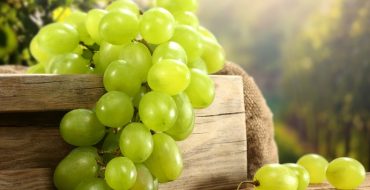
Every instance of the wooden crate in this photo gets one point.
(31, 107)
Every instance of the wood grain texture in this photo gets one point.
(214, 155)
(25, 93)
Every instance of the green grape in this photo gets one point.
(169, 50)
(136, 142)
(58, 38)
(38, 53)
(201, 90)
(93, 19)
(70, 63)
(157, 25)
(186, 18)
(77, 20)
(120, 173)
(144, 180)
(190, 40)
(158, 111)
(124, 5)
(39, 68)
(213, 55)
(198, 64)
(88, 149)
(205, 33)
(107, 54)
(80, 127)
(92, 184)
(315, 165)
(165, 163)
(119, 27)
(302, 175)
(177, 5)
(345, 173)
(111, 145)
(138, 54)
(274, 177)
(75, 167)
(122, 76)
(114, 109)
(169, 76)
(155, 184)
(137, 98)
(185, 121)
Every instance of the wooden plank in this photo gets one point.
(214, 155)
(30, 179)
(22, 93)
(326, 186)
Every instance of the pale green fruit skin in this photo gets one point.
(275, 177)
(114, 109)
(315, 165)
(158, 111)
(165, 163)
(58, 38)
(80, 127)
(93, 184)
(93, 19)
(185, 121)
(120, 173)
(345, 173)
(213, 55)
(70, 63)
(76, 166)
(302, 175)
(157, 25)
(144, 180)
(190, 39)
(119, 27)
(124, 5)
(169, 76)
(169, 50)
(178, 5)
(201, 90)
(136, 142)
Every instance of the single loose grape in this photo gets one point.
(315, 165)
(213, 55)
(165, 163)
(201, 90)
(114, 109)
(80, 127)
(120, 173)
(302, 175)
(274, 177)
(58, 38)
(157, 25)
(136, 142)
(119, 27)
(345, 173)
(158, 111)
(169, 76)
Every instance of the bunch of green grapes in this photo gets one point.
(155, 66)
(342, 173)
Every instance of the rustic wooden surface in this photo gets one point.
(30, 145)
(326, 186)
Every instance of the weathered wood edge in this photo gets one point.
(35, 93)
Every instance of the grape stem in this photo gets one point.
(115, 152)
(254, 183)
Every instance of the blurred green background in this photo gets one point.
(311, 59)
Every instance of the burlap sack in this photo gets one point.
(261, 147)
